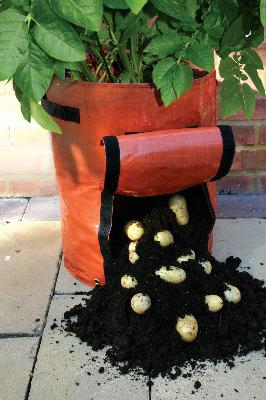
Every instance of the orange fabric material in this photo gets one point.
(155, 163)
(109, 109)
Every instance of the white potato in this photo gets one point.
(128, 282)
(172, 274)
(214, 302)
(186, 257)
(206, 266)
(140, 303)
(132, 246)
(178, 205)
(134, 230)
(232, 294)
(165, 238)
(187, 328)
(133, 257)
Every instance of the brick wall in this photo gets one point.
(26, 166)
(248, 173)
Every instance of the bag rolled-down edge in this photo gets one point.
(168, 161)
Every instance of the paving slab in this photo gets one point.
(12, 209)
(242, 206)
(42, 208)
(246, 239)
(65, 370)
(29, 252)
(16, 361)
(246, 381)
(67, 284)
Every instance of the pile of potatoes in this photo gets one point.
(187, 326)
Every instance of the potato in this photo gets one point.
(187, 328)
(186, 257)
(206, 266)
(178, 205)
(140, 303)
(165, 238)
(128, 282)
(133, 257)
(232, 294)
(132, 246)
(172, 274)
(214, 302)
(134, 230)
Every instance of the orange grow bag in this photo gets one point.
(116, 139)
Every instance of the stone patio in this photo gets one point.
(40, 363)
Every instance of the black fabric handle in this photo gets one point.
(62, 112)
(112, 151)
(228, 151)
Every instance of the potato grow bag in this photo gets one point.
(122, 152)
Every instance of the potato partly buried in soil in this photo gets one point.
(231, 323)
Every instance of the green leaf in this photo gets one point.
(162, 70)
(43, 118)
(136, 5)
(124, 77)
(13, 41)
(55, 36)
(61, 66)
(172, 79)
(263, 12)
(228, 67)
(21, 2)
(201, 55)
(163, 45)
(116, 4)
(248, 100)
(253, 74)
(250, 57)
(183, 10)
(182, 79)
(24, 102)
(235, 36)
(34, 73)
(87, 14)
(230, 95)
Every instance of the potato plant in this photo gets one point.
(131, 41)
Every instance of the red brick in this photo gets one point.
(237, 164)
(244, 134)
(262, 134)
(237, 184)
(262, 184)
(38, 187)
(254, 160)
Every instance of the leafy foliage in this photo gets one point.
(131, 41)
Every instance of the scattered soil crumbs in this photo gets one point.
(149, 343)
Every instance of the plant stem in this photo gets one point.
(86, 71)
(126, 63)
(101, 55)
(135, 56)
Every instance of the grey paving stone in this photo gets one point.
(242, 206)
(29, 253)
(16, 361)
(42, 209)
(67, 284)
(12, 209)
(245, 238)
(245, 381)
(63, 365)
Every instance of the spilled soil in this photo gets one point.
(149, 343)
